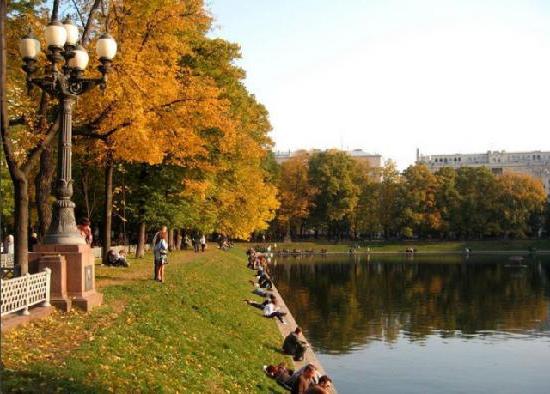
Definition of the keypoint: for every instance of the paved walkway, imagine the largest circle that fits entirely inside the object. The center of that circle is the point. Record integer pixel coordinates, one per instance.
(15, 319)
(285, 329)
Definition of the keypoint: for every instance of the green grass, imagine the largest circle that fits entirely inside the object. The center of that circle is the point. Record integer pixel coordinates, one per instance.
(420, 246)
(192, 334)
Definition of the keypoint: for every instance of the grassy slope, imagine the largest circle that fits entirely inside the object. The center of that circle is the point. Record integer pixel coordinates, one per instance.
(192, 334)
(421, 246)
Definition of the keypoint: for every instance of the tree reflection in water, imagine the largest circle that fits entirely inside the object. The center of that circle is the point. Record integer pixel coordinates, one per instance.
(344, 304)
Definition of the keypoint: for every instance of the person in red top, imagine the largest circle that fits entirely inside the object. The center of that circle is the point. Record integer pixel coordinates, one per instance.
(86, 230)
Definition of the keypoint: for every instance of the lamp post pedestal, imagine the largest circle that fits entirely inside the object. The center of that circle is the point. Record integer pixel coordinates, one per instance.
(73, 273)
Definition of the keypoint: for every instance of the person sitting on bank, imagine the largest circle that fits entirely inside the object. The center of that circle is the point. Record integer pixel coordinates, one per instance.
(270, 308)
(264, 282)
(304, 380)
(293, 346)
(269, 298)
(323, 387)
(280, 373)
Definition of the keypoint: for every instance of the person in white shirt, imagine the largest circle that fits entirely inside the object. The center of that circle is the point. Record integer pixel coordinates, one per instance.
(203, 243)
(270, 308)
(160, 251)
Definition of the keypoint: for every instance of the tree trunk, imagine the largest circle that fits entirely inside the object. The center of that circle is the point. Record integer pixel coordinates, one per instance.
(108, 211)
(19, 178)
(21, 221)
(170, 239)
(84, 182)
(140, 249)
(43, 186)
(179, 239)
(287, 237)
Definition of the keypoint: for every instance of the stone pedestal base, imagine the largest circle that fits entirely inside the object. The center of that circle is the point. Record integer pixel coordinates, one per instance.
(88, 302)
(73, 274)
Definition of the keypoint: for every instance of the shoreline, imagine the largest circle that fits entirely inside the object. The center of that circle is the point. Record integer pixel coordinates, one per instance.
(309, 356)
(433, 252)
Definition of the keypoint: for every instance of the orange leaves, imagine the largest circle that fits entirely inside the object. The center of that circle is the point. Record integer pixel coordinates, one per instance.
(148, 112)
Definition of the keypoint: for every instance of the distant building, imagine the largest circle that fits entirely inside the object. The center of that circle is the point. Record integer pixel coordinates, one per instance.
(374, 160)
(534, 163)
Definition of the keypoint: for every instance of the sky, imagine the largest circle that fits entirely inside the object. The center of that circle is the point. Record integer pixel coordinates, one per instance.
(391, 76)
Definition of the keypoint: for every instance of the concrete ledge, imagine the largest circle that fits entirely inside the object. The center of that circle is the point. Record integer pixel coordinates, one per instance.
(285, 329)
(15, 319)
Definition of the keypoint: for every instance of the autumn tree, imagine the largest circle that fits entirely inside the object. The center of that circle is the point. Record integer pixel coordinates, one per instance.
(150, 111)
(520, 198)
(27, 132)
(296, 193)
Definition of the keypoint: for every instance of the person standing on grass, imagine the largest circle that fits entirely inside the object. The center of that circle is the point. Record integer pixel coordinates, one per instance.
(85, 230)
(160, 252)
(196, 243)
(203, 243)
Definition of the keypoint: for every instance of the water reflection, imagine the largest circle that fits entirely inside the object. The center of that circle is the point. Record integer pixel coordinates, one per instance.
(347, 304)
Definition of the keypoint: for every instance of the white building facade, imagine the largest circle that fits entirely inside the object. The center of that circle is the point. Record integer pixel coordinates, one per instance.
(374, 160)
(534, 163)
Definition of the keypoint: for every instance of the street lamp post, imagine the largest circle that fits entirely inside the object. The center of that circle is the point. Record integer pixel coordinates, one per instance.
(64, 80)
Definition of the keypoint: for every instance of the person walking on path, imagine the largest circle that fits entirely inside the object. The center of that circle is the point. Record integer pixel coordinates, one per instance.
(203, 243)
(160, 252)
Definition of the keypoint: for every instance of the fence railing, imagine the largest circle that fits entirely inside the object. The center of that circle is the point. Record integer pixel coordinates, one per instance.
(22, 292)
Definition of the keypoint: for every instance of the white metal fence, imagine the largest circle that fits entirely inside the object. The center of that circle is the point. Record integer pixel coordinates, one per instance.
(18, 294)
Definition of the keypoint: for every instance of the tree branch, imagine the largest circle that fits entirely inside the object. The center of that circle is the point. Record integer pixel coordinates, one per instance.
(34, 153)
(78, 12)
(88, 27)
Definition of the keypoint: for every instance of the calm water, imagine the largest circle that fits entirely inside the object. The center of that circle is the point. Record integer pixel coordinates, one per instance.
(424, 325)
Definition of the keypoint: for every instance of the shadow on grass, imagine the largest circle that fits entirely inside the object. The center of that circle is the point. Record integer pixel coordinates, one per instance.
(41, 382)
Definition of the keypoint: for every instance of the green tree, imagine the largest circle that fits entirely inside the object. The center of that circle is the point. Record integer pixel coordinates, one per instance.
(333, 173)
(479, 215)
(388, 203)
(447, 199)
(420, 213)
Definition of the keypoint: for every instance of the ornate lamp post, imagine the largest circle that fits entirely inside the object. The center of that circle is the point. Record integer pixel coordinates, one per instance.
(64, 79)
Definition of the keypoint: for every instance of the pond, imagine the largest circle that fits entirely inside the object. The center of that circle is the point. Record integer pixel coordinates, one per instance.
(426, 324)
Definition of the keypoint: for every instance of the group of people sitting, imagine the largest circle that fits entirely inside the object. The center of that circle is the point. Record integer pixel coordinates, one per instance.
(270, 306)
(306, 379)
(117, 259)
